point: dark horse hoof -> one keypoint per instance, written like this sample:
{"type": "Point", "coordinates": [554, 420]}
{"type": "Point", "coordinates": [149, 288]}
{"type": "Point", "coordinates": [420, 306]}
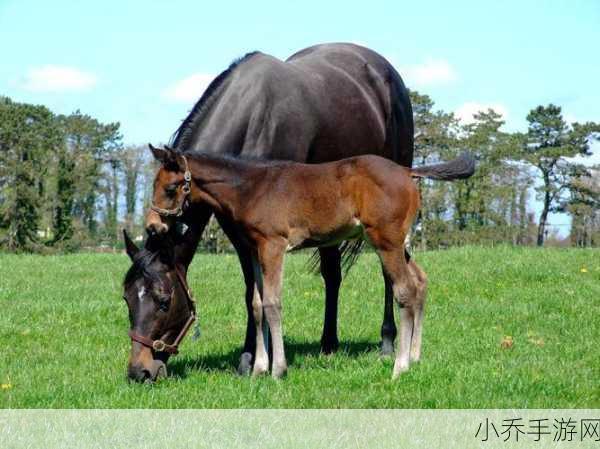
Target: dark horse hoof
{"type": "Point", "coordinates": [329, 346]}
{"type": "Point", "coordinates": [387, 347]}
{"type": "Point", "coordinates": [245, 366]}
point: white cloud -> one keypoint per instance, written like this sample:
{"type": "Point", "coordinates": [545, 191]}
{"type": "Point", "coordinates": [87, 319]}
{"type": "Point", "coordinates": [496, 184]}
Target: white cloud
{"type": "Point", "coordinates": [188, 89]}
{"type": "Point", "coordinates": [589, 161]}
{"type": "Point", "coordinates": [55, 78]}
{"type": "Point", "coordinates": [431, 72]}
{"type": "Point", "coordinates": [466, 112]}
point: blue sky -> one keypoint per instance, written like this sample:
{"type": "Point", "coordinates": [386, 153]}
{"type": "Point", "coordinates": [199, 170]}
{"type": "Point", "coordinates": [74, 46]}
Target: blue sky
{"type": "Point", "coordinates": [143, 63]}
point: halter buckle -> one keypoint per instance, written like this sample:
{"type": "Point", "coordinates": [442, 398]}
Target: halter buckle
{"type": "Point", "coordinates": [159, 345]}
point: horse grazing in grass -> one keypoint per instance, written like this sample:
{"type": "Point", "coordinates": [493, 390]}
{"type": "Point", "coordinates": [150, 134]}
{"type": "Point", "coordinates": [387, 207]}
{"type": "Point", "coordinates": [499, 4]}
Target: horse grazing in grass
{"type": "Point", "coordinates": [161, 307]}
{"type": "Point", "coordinates": [323, 103]}
{"type": "Point", "coordinates": [278, 206]}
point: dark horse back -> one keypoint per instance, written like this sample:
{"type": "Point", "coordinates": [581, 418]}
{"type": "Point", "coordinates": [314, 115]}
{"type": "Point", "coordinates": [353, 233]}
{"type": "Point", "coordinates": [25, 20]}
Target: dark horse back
{"type": "Point", "coordinates": [364, 106]}
{"type": "Point", "coordinates": [324, 103]}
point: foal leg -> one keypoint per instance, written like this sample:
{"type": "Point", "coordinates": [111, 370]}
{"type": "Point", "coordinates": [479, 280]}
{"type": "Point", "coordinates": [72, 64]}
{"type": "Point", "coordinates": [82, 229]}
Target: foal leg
{"type": "Point", "coordinates": [271, 263]}
{"type": "Point", "coordinates": [261, 358]}
{"type": "Point", "coordinates": [420, 280]}
{"type": "Point", "coordinates": [404, 290]}
{"type": "Point", "coordinates": [331, 271]}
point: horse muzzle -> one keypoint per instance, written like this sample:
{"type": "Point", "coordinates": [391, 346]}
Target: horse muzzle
{"type": "Point", "coordinates": [147, 374]}
{"type": "Point", "coordinates": [155, 225]}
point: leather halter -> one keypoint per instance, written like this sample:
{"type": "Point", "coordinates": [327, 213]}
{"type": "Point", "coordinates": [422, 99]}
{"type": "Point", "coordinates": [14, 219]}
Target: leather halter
{"type": "Point", "coordinates": [186, 189]}
{"type": "Point", "coordinates": [160, 345]}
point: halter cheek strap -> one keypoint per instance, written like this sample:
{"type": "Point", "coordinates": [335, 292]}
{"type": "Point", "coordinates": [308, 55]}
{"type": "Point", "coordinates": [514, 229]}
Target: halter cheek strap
{"type": "Point", "coordinates": [186, 189]}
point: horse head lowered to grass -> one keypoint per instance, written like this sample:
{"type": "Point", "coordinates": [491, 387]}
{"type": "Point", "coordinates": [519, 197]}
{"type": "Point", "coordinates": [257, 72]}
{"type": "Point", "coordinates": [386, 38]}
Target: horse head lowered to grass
{"type": "Point", "coordinates": [276, 206]}
{"type": "Point", "coordinates": [161, 307]}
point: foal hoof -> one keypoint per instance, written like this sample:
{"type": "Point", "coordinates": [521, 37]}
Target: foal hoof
{"type": "Point", "coordinates": [245, 366]}
{"type": "Point", "coordinates": [387, 347]}
{"type": "Point", "coordinates": [399, 368]}
{"type": "Point", "coordinates": [278, 372]}
{"type": "Point", "coordinates": [261, 366]}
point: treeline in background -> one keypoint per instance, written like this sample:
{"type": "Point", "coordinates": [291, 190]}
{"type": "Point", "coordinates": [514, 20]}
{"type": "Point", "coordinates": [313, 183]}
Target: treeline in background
{"type": "Point", "coordinates": [68, 182]}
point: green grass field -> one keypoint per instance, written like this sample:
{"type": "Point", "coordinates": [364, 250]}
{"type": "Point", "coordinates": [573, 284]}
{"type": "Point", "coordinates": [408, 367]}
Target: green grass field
{"type": "Point", "coordinates": [63, 340]}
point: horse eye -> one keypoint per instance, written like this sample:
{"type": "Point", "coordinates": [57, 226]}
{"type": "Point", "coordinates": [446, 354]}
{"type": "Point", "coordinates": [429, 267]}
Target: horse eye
{"type": "Point", "coordinates": [163, 303]}
{"type": "Point", "coordinates": [171, 190]}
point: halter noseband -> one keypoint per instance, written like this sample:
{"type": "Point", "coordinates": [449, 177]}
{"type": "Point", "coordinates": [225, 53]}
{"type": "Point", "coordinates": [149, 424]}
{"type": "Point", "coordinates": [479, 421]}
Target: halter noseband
{"type": "Point", "coordinates": [186, 189]}
{"type": "Point", "coordinates": [160, 345]}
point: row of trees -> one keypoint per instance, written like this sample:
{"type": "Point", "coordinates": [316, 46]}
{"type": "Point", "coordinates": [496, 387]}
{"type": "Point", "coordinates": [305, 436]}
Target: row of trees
{"type": "Point", "coordinates": [63, 178]}
{"type": "Point", "coordinates": [495, 204]}
{"type": "Point", "coordinates": [68, 182]}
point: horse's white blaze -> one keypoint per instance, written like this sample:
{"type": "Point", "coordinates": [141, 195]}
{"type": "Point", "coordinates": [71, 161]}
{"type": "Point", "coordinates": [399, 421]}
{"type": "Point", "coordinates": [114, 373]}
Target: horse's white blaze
{"type": "Point", "coordinates": [141, 293]}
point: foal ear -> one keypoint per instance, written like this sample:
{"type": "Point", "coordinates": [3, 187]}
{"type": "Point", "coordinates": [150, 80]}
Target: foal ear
{"type": "Point", "coordinates": [166, 156]}
{"type": "Point", "coordinates": [163, 155]}
{"type": "Point", "coordinates": [130, 247]}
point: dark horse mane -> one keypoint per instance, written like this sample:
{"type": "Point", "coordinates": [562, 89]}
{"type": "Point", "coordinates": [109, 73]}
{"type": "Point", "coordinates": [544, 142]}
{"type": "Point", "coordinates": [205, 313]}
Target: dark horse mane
{"type": "Point", "coordinates": [182, 135]}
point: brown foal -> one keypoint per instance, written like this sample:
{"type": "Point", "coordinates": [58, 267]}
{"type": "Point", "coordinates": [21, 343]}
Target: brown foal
{"type": "Point", "coordinates": [278, 206]}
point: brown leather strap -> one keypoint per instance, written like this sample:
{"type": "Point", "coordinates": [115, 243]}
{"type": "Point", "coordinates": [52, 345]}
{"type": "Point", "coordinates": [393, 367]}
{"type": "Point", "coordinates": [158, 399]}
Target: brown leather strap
{"type": "Point", "coordinates": [159, 345]}
{"type": "Point", "coordinates": [156, 345]}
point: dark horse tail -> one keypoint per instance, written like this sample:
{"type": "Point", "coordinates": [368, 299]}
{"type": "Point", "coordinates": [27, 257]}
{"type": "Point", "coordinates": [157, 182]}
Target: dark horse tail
{"type": "Point", "coordinates": [460, 168]}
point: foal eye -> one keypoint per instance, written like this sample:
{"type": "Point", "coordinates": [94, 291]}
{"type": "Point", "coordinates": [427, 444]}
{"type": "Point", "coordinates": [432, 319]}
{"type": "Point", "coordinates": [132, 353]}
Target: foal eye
{"type": "Point", "coordinates": [171, 190]}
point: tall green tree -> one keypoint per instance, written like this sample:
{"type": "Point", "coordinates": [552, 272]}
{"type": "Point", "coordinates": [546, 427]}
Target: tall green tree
{"type": "Point", "coordinates": [583, 204]}
{"type": "Point", "coordinates": [132, 163]}
{"type": "Point", "coordinates": [28, 136]}
{"type": "Point", "coordinates": [434, 135]}
{"type": "Point", "coordinates": [547, 145]}
{"type": "Point", "coordinates": [474, 198]}
{"type": "Point", "coordinates": [89, 145]}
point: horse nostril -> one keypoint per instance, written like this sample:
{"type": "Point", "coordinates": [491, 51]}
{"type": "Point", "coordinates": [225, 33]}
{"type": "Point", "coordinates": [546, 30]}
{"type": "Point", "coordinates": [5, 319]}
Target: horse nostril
{"type": "Point", "coordinates": [155, 229]}
{"type": "Point", "coordinates": [147, 377]}
{"type": "Point", "coordinates": [139, 374]}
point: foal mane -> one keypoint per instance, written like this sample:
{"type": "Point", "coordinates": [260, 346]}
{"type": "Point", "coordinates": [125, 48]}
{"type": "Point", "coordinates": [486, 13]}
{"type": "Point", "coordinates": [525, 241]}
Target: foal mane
{"type": "Point", "coordinates": [183, 134]}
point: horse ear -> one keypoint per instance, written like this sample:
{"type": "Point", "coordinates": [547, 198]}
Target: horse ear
{"type": "Point", "coordinates": [130, 247]}
{"type": "Point", "coordinates": [162, 155]}
{"type": "Point", "coordinates": [166, 156]}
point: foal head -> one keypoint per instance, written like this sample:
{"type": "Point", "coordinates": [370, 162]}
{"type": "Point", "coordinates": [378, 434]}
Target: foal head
{"type": "Point", "coordinates": [172, 186]}
{"type": "Point", "coordinates": [159, 308]}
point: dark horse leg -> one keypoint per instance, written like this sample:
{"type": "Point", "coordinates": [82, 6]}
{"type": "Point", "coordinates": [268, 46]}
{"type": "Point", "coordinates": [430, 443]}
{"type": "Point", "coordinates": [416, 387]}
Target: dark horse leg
{"type": "Point", "coordinates": [331, 271]}
{"type": "Point", "coordinates": [388, 327]}
{"type": "Point", "coordinates": [245, 257]}
{"type": "Point", "coordinates": [249, 349]}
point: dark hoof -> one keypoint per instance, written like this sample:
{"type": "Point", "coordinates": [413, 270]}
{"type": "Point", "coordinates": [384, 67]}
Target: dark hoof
{"type": "Point", "coordinates": [387, 347]}
{"type": "Point", "coordinates": [245, 366]}
{"type": "Point", "coordinates": [329, 346]}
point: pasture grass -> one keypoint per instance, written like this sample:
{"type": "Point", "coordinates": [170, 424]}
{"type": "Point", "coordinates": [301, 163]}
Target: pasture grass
{"type": "Point", "coordinates": [63, 341]}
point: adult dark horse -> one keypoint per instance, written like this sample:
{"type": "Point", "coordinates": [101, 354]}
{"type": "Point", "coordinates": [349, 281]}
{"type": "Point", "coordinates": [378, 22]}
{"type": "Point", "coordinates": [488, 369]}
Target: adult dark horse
{"type": "Point", "coordinates": [324, 103]}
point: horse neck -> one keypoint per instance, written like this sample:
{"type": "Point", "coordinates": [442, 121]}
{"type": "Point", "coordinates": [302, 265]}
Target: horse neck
{"type": "Point", "coordinates": [221, 118]}
{"type": "Point", "coordinates": [220, 181]}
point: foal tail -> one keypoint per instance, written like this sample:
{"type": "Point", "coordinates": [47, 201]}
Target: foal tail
{"type": "Point", "coordinates": [460, 168]}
